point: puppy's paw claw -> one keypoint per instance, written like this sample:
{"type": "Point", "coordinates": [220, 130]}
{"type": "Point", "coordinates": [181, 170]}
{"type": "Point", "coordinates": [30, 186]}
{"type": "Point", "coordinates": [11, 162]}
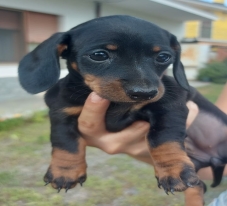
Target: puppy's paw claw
{"type": "Point", "coordinates": [64, 180]}
{"type": "Point", "coordinates": [178, 182]}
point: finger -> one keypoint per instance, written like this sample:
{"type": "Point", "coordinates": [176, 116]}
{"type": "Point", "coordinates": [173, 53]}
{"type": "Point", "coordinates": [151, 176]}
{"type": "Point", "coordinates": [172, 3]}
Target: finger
{"type": "Point", "coordinates": [193, 112]}
{"type": "Point", "coordinates": [122, 142]}
{"type": "Point", "coordinates": [92, 117]}
{"type": "Point", "coordinates": [130, 135]}
{"type": "Point", "coordinates": [134, 132]}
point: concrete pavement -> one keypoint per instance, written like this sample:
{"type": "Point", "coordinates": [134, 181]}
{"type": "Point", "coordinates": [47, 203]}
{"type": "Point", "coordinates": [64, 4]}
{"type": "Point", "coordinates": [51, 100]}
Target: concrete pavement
{"type": "Point", "coordinates": [14, 101]}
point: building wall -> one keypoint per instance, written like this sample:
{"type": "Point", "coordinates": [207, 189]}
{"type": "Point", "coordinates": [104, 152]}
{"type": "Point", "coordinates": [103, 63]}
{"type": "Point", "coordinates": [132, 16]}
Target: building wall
{"type": "Point", "coordinates": [192, 29]}
{"type": "Point", "coordinates": [218, 27]}
{"type": "Point", "coordinates": [195, 56]}
{"type": "Point", "coordinates": [219, 1]}
{"type": "Point", "coordinates": [11, 36]}
{"type": "Point", "coordinates": [74, 12]}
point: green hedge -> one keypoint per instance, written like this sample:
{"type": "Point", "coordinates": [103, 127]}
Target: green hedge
{"type": "Point", "coordinates": [214, 72]}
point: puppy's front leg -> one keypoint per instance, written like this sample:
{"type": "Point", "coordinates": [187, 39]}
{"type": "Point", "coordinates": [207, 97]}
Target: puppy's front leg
{"type": "Point", "coordinates": [68, 165]}
{"type": "Point", "coordinates": [174, 170]}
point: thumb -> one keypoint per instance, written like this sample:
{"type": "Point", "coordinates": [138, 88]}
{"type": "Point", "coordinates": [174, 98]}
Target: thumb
{"type": "Point", "coordinates": [92, 117]}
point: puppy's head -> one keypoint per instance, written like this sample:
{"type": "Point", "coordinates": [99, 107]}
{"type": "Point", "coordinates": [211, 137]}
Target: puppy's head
{"type": "Point", "coordinates": [121, 58]}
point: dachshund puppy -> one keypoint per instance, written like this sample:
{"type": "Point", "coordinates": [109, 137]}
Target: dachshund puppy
{"type": "Point", "coordinates": [122, 59]}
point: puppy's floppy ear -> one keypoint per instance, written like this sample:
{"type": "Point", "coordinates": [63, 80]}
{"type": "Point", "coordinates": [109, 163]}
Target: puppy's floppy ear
{"type": "Point", "coordinates": [178, 68]}
{"type": "Point", "coordinates": [40, 69]}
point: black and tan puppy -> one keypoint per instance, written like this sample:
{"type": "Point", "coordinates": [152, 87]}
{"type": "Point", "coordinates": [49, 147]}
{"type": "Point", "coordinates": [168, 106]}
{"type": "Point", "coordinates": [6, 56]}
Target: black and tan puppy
{"type": "Point", "coordinates": [122, 59]}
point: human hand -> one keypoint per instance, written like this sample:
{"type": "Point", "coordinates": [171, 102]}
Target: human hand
{"type": "Point", "coordinates": [93, 129]}
{"type": "Point", "coordinates": [130, 141]}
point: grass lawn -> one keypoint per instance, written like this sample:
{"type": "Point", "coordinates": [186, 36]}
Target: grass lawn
{"type": "Point", "coordinates": [112, 180]}
{"type": "Point", "coordinates": [211, 91]}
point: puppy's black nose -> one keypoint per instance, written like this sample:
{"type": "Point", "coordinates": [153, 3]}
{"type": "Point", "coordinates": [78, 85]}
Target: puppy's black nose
{"type": "Point", "coordinates": [142, 95]}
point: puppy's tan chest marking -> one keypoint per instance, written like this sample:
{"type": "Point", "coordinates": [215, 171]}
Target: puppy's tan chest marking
{"type": "Point", "coordinates": [137, 107]}
{"type": "Point", "coordinates": [73, 110]}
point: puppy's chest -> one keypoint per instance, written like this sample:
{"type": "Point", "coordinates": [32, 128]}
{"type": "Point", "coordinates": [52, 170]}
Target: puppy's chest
{"type": "Point", "coordinates": [120, 116]}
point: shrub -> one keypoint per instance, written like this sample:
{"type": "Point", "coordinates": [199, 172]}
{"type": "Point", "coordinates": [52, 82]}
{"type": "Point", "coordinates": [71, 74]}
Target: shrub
{"type": "Point", "coordinates": [214, 72]}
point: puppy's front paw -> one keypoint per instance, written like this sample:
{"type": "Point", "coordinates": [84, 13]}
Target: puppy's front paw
{"type": "Point", "coordinates": [176, 179]}
{"type": "Point", "coordinates": [173, 168]}
{"type": "Point", "coordinates": [67, 178]}
{"type": "Point", "coordinates": [66, 169]}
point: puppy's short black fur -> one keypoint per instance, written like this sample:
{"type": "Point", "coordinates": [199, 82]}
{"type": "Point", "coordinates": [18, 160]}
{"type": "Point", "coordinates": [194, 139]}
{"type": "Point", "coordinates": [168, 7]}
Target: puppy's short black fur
{"type": "Point", "coordinates": [123, 59]}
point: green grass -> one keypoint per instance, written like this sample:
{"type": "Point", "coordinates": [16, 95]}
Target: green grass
{"type": "Point", "coordinates": [31, 197]}
{"type": "Point", "coordinates": [211, 91]}
{"type": "Point", "coordinates": [9, 178]}
{"type": "Point", "coordinates": [20, 121]}
{"type": "Point", "coordinates": [112, 180]}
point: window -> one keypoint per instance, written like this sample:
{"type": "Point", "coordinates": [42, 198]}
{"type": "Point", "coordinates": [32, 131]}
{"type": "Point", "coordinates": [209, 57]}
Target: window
{"type": "Point", "coordinates": [22, 31]}
{"type": "Point", "coordinates": [40, 26]}
{"type": "Point", "coordinates": [11, 36]}
{"type": "Point", "coordinates": [206, 29]}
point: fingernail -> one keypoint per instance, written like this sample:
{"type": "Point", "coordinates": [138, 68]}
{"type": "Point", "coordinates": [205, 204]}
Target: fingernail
{"type": "Point", "coordinates": [95, 98]}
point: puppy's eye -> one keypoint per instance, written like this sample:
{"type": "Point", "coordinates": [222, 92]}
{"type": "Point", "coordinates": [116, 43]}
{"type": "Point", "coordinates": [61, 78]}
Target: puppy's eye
{"type": "Point", "coordinates": [163, 57]}
{"type": "Point", "coordinates": [99, 56]}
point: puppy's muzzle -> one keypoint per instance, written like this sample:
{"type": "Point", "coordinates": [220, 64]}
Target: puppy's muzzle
{"type": "Point", "coordinates": [140, 95]}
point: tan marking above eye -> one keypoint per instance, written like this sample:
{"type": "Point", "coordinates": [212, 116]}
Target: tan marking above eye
{"type": "Point", "coordinates": [111, 47]}
{"type": "Point", "coordinates": [156, 49]}
{"type": "Point", "coordinates": [61, 48]}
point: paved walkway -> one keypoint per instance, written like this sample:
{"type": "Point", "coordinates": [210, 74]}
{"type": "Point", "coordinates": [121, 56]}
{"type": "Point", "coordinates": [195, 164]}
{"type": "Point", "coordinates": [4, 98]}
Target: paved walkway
{"type": "Point", "coordinates": [14, 101]}
{"type": "Point", "coordinates": [198, 84]}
